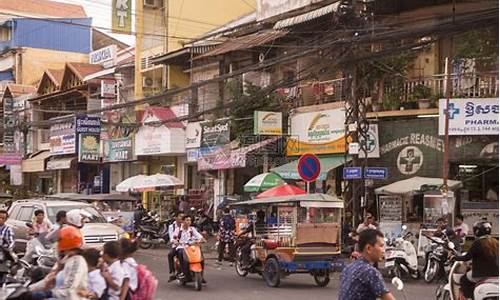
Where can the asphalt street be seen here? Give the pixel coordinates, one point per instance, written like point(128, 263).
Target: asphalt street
point(224, 284)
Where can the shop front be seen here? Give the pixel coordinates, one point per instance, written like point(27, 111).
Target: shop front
point(160, 148)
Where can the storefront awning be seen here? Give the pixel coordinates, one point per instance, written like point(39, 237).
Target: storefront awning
point(414, 184)
point(60, 163)
point(36, 163)
point(307, 16)
point(328, 163)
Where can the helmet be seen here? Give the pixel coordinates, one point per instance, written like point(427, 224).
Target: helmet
point(69, 238)
point(481, 228)
point(74, 217)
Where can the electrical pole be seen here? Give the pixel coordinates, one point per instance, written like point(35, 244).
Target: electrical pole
point(139, 29)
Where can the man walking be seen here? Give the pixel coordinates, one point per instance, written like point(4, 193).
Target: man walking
point(360, 280)
point(227, 235)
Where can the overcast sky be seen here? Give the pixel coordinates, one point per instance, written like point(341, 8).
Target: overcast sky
point(100, 12)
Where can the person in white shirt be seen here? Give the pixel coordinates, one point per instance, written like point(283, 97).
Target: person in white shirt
point(113, 273)
point(368, 223)
point(185, 235)
point(461, 229)
point(96, 284)
point(131, 282)
point(172, 228)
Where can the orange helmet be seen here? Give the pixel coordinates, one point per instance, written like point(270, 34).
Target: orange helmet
point(69, 238)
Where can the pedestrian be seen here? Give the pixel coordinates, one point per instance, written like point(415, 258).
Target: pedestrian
point(172, 228)
point(368, 223)
point(461, 229)
point(360, 280)
point(96, 284)
point(129, 264)
point(227, 236)
point(183, 204)
point(40, 223)
point(113, 271)
point(7, 240)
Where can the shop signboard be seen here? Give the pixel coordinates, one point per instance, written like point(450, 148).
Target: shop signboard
point(9, 124)
point(88, 124)
point(88, 147)
point(16, 175)
point(390, 208)
point(371, 143)
point(215, 133)
point(410, 148)
point(121, 16)
point(10, 158)
point(193, 135)
point(116, 150)
point(267, 123)
point(153, 140)
point(320, 132)
point(478, 116)
point(108, 89)
point(103, 55)
point(62, 138)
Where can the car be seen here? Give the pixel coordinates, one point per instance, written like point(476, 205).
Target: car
point(96, 230)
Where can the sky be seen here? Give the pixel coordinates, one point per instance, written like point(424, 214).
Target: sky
point(100, 12)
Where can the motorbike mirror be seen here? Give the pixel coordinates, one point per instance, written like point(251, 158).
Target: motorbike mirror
point(451, 245)
point(397, 283)
point(404, 227)
point(386, 240)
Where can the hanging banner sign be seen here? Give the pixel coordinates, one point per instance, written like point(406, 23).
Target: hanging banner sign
point(215, 133)
point(108, 89)
point(320, 132)
point(121, 19)
point(88, 147)
point(88, 124)
point(478, 116)
point(118, 150)
point(371, 143)
point(267, 123)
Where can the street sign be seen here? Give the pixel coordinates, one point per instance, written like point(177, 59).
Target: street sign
point(354, 148)
point(309, 167)
point(376, 173)
point(352, 173)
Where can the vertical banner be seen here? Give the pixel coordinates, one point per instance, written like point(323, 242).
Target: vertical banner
point(371, 143)
point(121, 16)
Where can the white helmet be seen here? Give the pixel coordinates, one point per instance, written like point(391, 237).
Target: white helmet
point(75, 216)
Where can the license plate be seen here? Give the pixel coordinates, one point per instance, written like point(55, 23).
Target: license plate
point(389, 264)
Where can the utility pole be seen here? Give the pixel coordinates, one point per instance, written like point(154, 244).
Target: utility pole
point(139, 29)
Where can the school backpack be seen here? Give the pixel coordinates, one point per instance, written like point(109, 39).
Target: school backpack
point(147, 284)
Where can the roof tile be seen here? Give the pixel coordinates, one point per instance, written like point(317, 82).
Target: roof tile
point(42, 8)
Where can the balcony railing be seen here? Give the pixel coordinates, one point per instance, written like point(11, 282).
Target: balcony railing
point(473, 85)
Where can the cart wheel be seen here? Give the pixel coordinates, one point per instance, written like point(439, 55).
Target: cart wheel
point(322, 278)
point(271, 272)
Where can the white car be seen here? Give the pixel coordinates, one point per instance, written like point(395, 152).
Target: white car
point(96, 230)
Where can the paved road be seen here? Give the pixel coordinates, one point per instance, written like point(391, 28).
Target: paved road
point(224, 284)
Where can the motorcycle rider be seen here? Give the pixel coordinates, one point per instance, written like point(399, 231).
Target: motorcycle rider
point(185, 235)
point(172, 228)
point(484, 255)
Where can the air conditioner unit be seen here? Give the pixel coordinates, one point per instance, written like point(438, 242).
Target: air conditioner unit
point(149, 82)
point(151, 3)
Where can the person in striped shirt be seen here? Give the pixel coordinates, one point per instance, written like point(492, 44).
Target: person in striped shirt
point(6, 234)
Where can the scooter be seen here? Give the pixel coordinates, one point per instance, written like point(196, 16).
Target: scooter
point(436, 258)
point(195, 259)
point(484, 290)
point(401, 256)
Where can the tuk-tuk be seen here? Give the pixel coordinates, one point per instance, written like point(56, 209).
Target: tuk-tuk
point(117, 208)
point(294, 234)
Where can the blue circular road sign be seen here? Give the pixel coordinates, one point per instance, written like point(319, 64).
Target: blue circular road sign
point(309, 167)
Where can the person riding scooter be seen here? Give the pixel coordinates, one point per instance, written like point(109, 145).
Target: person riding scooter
point(185, 235)
point(484, 256)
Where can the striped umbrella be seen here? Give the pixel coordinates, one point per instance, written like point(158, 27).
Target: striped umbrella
point(263, 182)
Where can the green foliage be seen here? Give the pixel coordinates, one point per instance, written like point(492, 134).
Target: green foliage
point(391, 101)
point(479, 44)
point(248, 101)
point(421, 91)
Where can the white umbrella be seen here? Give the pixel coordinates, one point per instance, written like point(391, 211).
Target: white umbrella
point(158, 180)
point(130, 183)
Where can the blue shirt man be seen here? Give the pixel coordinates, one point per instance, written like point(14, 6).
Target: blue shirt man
point(360, 280)
point(7, 240)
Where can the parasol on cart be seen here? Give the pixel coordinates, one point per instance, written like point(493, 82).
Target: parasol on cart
point(263, 182)
point(282, 190)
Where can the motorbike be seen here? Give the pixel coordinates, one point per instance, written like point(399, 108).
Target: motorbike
point(250, 265)
point(152, 231)
point(205, 224)
point(195, 258)
point(401, 256)
point(484, 290)
point(436, 258)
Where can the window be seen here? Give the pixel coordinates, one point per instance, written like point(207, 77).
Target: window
point(96, 217)
point(25, 214)
point(14, 211)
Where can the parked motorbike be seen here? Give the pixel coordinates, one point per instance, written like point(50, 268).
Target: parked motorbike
point(401, 256)
point(436, 258)
point(152, 231)
point(484, 290)
point(205, 224)
point(195, 259)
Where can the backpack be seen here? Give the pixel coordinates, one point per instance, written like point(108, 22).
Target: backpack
point(147, 284)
